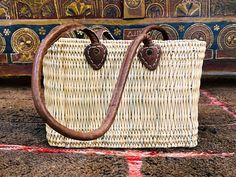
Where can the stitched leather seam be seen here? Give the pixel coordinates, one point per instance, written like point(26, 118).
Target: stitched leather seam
point(143, 59)
point(91, 60)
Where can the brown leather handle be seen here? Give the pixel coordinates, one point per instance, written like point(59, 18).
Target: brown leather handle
point(37, 92)
point(117, 93)
point(101, 33)
point(148, 40)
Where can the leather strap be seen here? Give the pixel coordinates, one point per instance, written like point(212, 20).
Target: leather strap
point(103, 33)
point(38, 95)
point(150, 53)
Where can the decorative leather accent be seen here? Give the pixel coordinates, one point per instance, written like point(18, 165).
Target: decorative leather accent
point(150, 56)
point(96, 55)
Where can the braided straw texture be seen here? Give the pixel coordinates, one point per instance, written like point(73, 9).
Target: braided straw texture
point(158, 108)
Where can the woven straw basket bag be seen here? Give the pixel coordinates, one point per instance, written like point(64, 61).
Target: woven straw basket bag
point(101, 94)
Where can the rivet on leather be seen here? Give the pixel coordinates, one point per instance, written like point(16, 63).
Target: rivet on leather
point(150, 56)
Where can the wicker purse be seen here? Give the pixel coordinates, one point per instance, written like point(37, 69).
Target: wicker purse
point(149, 101)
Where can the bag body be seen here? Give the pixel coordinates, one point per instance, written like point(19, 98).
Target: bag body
point(158, 108)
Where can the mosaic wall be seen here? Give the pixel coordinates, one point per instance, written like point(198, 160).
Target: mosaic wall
point(48, 9)
point(18, 42)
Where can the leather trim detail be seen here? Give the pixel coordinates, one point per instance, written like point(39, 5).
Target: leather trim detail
point(96, 55)
point(150, 56)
